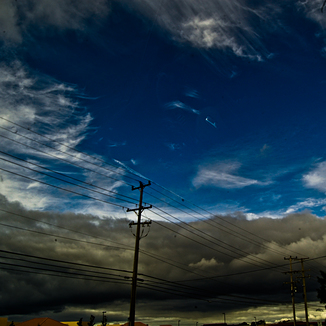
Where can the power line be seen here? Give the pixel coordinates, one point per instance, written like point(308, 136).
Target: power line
point(133, 173)
point(56, 157)
point(62, 144)
point(60, 188)
point(122, 206)
point(88, 161)
point(128, 171)
point(101, 276)
point(220, 241)
point(70, 177)
point(56, 178)
point(71, 183)
point(124, 247)
point(198, 242)
point(215, 224)
point(83, 241)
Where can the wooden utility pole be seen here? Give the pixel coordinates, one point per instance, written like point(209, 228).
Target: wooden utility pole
point(137, 235)
point(292, 287)
point(304, 290)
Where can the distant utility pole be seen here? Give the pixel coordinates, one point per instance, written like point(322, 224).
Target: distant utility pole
point(104, 320)
point(140, 209)
point(292, 286)
point(303, 277)
point(304, 290)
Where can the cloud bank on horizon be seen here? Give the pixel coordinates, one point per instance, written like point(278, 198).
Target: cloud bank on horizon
point(175, 268)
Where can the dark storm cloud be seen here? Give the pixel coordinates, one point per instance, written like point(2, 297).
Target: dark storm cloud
point(214, 261)
point(18, 17)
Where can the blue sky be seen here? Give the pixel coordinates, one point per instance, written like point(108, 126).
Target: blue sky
point(220, 104)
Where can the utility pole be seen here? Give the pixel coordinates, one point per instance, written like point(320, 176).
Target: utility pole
point(140, 209)
point(104, 319)
point(304, 290)
point(303, 286)
point(292, 286)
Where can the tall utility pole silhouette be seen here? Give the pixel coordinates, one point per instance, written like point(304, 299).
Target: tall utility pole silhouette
point(292, 286)
point(137, 235)
point(303, 277)
point(304, 290)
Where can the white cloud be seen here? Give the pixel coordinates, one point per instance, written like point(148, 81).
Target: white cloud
point(206, 263)
point(316, 178)
point(223, 175)
point(305, 204)
point(34, 106)
point(220, 24)
point(313, 11)
point(38, 101)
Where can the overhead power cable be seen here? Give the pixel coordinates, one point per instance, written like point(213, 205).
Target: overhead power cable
point(71, 275)
point(120, 206)
point(224, 244)
point(236, 250)
point(70, 177)
point(128, 171)
point(66, 146)
point(103, 161)
point(155, 256)
point(98, 244)
point(104, 245)
point(76, 276)
point(66, 181)
point(213, 223)
point(113, 203)
point(56, 157)
point(102, 275)
point(60, 236)
point(201, 243)
point(60, 188)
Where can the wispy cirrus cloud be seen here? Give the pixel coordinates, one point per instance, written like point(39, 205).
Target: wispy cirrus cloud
point(314, 10)
point(225, 25)
point(223, 175)
point(181, 105)
point(38, 101)
point(190, 92)
point(41, 122)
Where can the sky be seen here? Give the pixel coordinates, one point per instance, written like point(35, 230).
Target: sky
point(216, 106)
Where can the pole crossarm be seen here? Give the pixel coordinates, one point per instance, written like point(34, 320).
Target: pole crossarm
point(139, 208)
point(141, 186)
point(142, 223)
